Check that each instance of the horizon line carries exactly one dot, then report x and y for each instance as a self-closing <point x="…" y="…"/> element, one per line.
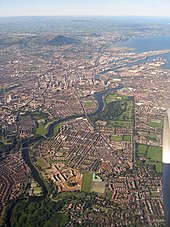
<point x="152" y="16"/>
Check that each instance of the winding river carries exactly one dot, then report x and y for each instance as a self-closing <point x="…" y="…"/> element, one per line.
<point x="27" y="142"/>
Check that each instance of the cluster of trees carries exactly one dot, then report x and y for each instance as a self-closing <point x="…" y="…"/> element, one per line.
<point x="46" y="213"/>
<point x="112" y="111"/>
<point x="94" y="211"/>
<point x="5" y="149"/>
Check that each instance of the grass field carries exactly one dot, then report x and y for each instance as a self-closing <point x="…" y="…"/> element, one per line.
<point x="89" y="104"/>
<point x="109" y="194"/>
<point x="156" y="125"/>
<point x="122" y="124"/>
<point x="56" y="129"/>
<point x="37" y="190"/>
<point x="41" y="130"/>
<point x="142" y="149"/>
<point x="110" y="98"/>
<point x="159" y="167"/>
<point x="53" y="161"/>
<point x="42" y="163"/>
<point x="129" y="109"/>
<point x="116" y="138"/>
<point x="126" y="138"/>
<point x="115" y="97"/>
<point x="155" y="153"/>
<point x="87" y="182"/>
<point x="152" y="136"/>
<point x="152" y="154"/>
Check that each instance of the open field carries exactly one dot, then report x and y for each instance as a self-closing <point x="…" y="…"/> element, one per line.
<point x="152" y="136"/>
<point x="53" y="161"/>
<point x="87" y="182"/>
<point x="158" y="167"/>
<point x="142" y="149"/>
<point x="41" y="130"/>
<point x="127" y="138"/>
<point x="37" y="190"/>
<point x="42" y="163"/>
<point x="120" y="124"/>
<point x="89" y="104"/>
<point x="57" y="129"/>
<point x="155" y="153"/>
<point x="116" y="138"/>
<point x="98" y="186"/>
<point x="152" y="154"/>
<point x="110" y="98"/>
<point x="156" y="125"/>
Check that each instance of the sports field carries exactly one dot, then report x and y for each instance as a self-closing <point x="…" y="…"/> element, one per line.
<point x="87" y="182"/>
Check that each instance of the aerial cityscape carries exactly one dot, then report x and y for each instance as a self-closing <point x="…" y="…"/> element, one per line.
<point x="82" y="106"/>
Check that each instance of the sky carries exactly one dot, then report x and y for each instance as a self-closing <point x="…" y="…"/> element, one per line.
<point x="85" y="8"/>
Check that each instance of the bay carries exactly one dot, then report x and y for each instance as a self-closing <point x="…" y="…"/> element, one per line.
<point x="145" y="44"/>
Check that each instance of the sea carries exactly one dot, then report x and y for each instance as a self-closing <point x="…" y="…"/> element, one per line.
<point x="144" y="44"/>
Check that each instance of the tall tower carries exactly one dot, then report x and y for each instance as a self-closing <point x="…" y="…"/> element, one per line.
<point x="166" y="167"/>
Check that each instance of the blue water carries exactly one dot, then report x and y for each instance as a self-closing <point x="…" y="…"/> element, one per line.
<point x="149" y="44"/>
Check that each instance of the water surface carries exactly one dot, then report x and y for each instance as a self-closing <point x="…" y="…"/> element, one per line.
<point x="145" y="44"/>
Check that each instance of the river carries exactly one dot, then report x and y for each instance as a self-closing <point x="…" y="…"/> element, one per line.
<point x="27" y="142"/>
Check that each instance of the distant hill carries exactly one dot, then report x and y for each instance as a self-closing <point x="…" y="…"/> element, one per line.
<point x="62" y="40"/>
<point x="94" y="34"/>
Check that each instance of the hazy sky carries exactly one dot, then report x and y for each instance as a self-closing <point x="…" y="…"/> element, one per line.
<point x="84" y="7"/>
